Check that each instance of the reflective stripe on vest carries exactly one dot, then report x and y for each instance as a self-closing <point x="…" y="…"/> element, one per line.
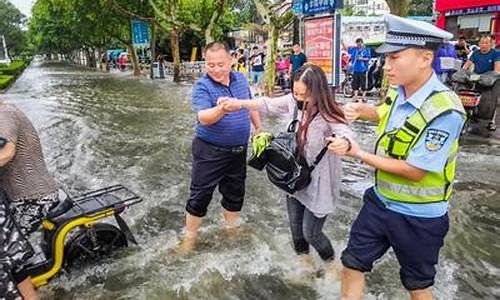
<point x="397" y="143"/>
<point x="410" y="190"/>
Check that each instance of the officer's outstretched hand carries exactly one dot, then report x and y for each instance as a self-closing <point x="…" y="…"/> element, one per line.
<point x="351" y="111"/>
<point x="343" y="146"/>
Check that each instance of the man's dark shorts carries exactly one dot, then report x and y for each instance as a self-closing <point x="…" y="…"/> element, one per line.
<point x="212" y="166"/>
<point x="359" y="81"/>
<point x="415" y="241"/>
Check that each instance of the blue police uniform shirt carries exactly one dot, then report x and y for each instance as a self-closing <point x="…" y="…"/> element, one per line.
<point x="359" y="66"/>
<point x="234" y="128"/>
<point x="484" y="62"/>
<point x="448" y="126"/>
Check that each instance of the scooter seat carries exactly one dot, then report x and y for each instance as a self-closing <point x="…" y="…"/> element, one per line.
<point x="60" y="209"/>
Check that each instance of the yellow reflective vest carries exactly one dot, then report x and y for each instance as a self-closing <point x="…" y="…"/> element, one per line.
<point x="397" y="143"/>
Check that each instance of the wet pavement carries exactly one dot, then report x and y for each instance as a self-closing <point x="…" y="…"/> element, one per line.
<point x="98" y="129"/>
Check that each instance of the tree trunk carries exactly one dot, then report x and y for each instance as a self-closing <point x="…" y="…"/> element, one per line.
<point x="174" y="46"/>
<point x="90" y="57"/>
<point x="218" y="9"/>
<point x="99" y="60"/>
<point x="399" y="7"/>
<point x="270" y="69"/>
<point x="133" y="55"/>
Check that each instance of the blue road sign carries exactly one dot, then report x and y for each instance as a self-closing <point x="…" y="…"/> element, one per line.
<point x="140" y="33"/>
<point x="318" y="6"/>
<point x="309" y="7"/>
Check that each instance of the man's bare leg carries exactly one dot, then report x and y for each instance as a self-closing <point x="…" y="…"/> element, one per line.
<point x="424" y="294"/>
<point x="193" y="223"/>
<point x="232" y="223"/>
<point x="27" y="290"/>
<point x="353" y="284"/>
<point x="232" y="218"/>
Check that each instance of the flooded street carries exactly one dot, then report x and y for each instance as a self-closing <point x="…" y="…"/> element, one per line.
<point x="100" y="129"/>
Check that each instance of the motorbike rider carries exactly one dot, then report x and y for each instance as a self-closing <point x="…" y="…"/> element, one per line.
<point x="30" y="190"/>
<point x="487" y="59"/>
<point x="462" y="49"/>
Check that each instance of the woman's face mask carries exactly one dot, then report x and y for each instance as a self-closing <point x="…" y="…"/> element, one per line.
<point x="300" y="104"/>
<point x="299" y="94"/>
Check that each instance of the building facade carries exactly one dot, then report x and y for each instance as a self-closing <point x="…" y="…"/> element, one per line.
<point x="469" y="18"/>
<point x="368" y="7"/>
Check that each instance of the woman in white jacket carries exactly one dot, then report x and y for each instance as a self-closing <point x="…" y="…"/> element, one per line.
<point x="320" y="117"/>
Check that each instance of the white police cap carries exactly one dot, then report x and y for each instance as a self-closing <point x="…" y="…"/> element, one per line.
<point x="406" y="33"/>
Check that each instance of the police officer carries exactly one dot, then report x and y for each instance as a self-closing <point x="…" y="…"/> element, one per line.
<point x="414" y="159"/>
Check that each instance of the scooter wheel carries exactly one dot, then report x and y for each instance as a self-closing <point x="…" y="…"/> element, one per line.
<point x="90" y="244"/>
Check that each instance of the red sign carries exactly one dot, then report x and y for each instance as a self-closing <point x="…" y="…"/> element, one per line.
<point x="319" y="44"/>
<point x="444" y="5"/>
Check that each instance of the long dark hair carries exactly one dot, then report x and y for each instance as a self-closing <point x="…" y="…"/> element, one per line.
<point x="321" y="100"/>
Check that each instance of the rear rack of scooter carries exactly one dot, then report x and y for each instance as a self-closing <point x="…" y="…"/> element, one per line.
<point x="116" y="198"/>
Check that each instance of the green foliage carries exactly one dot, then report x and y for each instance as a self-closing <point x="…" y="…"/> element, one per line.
<point x="276" y="17"/>
<point x="5" y="81"/>
<point x="14" y="69"/>
<point x="12" y="22"/>
<point x="61" y="26"/>
<point x="421" y="8"/>
<point x="348" y="10"/>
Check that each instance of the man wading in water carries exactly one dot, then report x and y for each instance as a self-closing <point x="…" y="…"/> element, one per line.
<point x="220" y="142"/>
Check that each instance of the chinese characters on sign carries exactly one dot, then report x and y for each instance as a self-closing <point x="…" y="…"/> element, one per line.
<point x="319" y="44"/>
<point x="140" y="33"/>
<point x="473" y="11"/>
<point x="313" y="6"/>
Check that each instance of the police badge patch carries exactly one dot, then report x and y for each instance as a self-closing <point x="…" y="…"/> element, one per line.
<point x="435" y="139"/>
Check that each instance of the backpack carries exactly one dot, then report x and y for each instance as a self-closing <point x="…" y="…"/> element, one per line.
<point x="286" y="168"/>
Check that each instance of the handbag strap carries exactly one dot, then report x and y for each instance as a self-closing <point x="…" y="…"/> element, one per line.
<point x="292" y="127"/>
<point x="320" y="155"/>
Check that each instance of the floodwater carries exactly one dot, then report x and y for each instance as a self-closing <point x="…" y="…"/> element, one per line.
<point x="100" y="129"/>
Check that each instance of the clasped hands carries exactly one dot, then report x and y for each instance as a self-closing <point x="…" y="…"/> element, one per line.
<point x="229" y="104"/>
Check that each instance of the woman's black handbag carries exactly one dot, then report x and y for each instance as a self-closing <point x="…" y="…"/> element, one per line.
<point x="286" y="168"/>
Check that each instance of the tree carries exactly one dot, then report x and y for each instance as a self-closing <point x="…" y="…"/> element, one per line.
<point x="399" y="7"/>
<point x="167" y="13"/>
<point x="51" y="29"/>
<point x="126" y="11"/>
<point x="276" y="17"/>
<point x="217" y="12"/>
<point x="65" y="26"/>
<point x="421" y="8"/>
<point x="12" y="22"/>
